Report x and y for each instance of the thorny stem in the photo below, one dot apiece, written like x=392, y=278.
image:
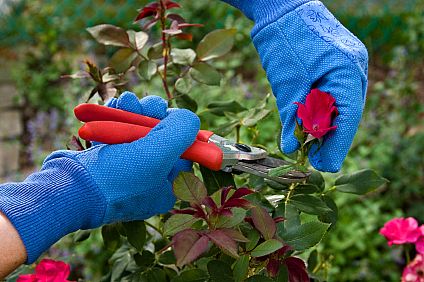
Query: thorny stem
x=166, y=47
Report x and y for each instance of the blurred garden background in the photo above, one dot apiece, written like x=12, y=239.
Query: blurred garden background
x=43, y=40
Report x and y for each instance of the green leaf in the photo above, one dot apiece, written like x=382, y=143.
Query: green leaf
x=317, y=179
x=183, y=85
x=309, y=204
x=215, y=180
x=183, y=57
x=227, y=128
x=153, y=275
x=206, y=74
x=185, y=101
x=312, y=261
x=215, y=44
x=283, y=274
x=279, y=171
x=178, y=222
x=122, y=59
x=192, y=275
x=360, y=182
x=220, y=107
x=263, y=222
x=333, y=214
x=137, y=39
x=305, y=236
x=219, y=271
x=253, y=237
x=241, y=268
x=254, y=116
x=230, y=221
x=145, y=259
x=259, y=278
x=108, y=34
x=292, y=215
x=136, y=234
x=306, y=189
x=81, y=235
x=188, y=245
x=147, y=69
x=266, y=248
x=189, y=188
x=111, y=237
x=167, y=258
x=155, y=52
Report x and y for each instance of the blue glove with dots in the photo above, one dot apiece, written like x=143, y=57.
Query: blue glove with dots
x=103, y=184
x=303, y=46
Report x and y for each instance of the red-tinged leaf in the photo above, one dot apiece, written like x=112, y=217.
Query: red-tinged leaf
x=148, y=10
x=241, y=192
x=263, y=222
x=224, y=194
x=200, y=213
x=184, y=211
x=176, y=17
x=209, y=202
x=171, y=5
x=188, y=245
x=184, y=25
x=249, y=219
x=172, y=31
x=283, y=250
x=75, y=144
x=225, y=212
x=279, y=219
x=240, y=203
x=235, y=234
x=185, y=36
x=189, y=188
x=224, y=242
x=273, y=267
x=151, y=23
x=297, y=270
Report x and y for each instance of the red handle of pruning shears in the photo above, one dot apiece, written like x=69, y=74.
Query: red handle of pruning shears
x=113, y=126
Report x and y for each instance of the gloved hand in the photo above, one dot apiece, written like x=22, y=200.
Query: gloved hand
x=303, y=46
x=103, y=184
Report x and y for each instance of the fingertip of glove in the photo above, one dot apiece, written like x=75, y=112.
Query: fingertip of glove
x=129, y=102
x=332, y=164
x=111, y=103
x=154, y=106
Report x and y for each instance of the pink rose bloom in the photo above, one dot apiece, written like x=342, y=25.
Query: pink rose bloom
x=414, y=272
x=419, y=245
x=401, y=230
x=48, y=270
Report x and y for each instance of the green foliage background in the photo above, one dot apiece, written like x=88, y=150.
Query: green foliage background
x=390, y=139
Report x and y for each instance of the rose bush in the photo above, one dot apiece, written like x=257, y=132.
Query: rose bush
x=223, y=226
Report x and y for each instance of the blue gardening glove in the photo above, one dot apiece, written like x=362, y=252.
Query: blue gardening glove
x=103, y=184
x=303, y=46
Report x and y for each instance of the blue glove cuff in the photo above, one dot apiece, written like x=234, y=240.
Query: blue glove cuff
x=264, y=12
x=73, y=203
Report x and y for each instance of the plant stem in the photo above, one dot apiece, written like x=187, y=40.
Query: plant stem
x=238, y=133
x=154, y=227
x=291, y=191
x=166, y=49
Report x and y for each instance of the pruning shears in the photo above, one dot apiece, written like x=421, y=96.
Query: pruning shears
x=113, y=126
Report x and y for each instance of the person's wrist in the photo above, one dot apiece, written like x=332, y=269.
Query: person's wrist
x=52, y=203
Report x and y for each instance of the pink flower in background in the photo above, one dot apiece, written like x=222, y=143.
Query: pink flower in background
x=419, y=245
x=48, y=271
x=414, y=272
x=401, y=230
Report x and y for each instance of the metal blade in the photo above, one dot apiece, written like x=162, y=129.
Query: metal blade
x=263, y=166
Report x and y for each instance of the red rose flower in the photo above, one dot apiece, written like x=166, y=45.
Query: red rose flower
x=48, y=271
x=399, y=231
x=317, y=113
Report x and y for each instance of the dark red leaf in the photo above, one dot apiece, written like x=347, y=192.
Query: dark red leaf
x=297, y=270
x=200, y=213
x=184, y=25
x=185, y=36
x=263, y=222
x=75, y=144
x=240, y=203
x=170, y=5
x=146, y=12
x=176, y=17
x=249, y=220
x=273, y=267
x=209, y=202
x=150, y=23
x=184, y=211
x=188, y=245
x=224, y=194
x=283, y=250
x=241, y=192
x=235, y=234
x=225, y=212
x=224, y=242
x=279, y=219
